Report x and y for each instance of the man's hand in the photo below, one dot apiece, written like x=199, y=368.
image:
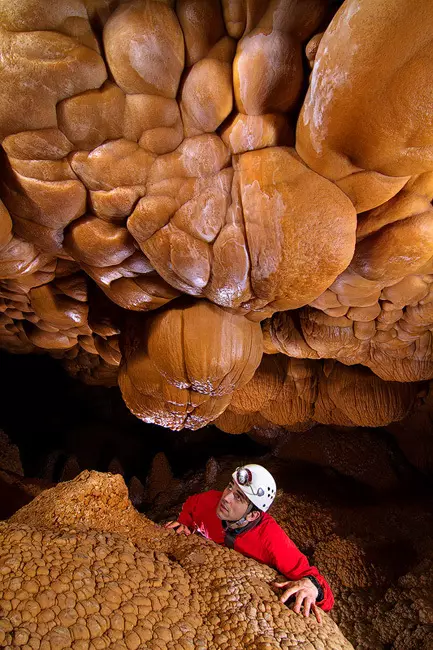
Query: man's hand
x=306, y=594
x=180, y=529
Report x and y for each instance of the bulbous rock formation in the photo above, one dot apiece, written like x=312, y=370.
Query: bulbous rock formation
x=288, y=392
x=87, y=568
x=368, y=132
x=178, y=151
x=194, y=383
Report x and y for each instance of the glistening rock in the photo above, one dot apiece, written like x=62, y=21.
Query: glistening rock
x=220, y=174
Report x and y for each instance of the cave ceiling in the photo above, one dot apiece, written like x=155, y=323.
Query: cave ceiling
x=222, y=207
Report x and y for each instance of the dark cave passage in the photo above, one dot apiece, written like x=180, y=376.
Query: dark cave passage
x=51, y=417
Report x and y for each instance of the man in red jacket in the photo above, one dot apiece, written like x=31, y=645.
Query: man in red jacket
x=238, y=518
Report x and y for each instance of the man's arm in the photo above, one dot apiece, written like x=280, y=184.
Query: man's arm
x=288, y=560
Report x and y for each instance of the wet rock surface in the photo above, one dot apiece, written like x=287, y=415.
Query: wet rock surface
x=166, y=220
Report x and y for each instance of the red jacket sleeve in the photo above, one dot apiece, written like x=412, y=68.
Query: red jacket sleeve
x=288, y=560
x=186, y=516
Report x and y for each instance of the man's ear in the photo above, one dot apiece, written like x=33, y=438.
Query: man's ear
x=252, y=516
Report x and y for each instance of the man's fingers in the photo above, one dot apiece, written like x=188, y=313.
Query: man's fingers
x=282, y=584
x=303, y=598
x=317, y=614
x=298, y=602
x=178, y=527
x=308, y=602
x=183, y=530
x=289, y=592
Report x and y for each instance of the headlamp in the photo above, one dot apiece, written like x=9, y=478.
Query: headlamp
x=245, y=477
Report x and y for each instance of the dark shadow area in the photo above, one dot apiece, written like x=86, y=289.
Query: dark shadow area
x=52, y=417
x=12, y=498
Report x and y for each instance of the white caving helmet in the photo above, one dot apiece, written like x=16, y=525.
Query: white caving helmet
x=257, y=484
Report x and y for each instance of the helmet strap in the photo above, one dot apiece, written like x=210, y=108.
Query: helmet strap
x=243, y=520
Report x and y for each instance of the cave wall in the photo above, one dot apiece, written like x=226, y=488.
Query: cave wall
x=204, y=227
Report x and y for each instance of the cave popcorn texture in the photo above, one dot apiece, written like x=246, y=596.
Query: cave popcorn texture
x=88, y=571
x=179, y=217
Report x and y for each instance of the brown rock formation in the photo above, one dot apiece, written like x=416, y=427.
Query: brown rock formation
x=161, y=159
x=192, y=384
x=89, y=568
x=16, y=491
x=294, y=393
x=353, y=127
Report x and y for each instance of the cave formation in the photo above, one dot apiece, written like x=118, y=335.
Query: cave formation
x=216, y=244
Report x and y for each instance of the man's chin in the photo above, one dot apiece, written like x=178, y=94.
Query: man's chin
x=220, y=513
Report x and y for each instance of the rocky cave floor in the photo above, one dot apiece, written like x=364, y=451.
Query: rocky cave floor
x=349, y=498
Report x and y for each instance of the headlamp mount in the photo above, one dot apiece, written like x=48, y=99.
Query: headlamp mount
x=245, y=478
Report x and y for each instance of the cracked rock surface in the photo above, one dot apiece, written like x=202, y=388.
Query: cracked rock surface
x=80, y=568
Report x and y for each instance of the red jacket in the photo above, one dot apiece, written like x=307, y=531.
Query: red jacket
x=267, y=542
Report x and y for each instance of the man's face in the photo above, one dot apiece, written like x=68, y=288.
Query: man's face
x=233, y=503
